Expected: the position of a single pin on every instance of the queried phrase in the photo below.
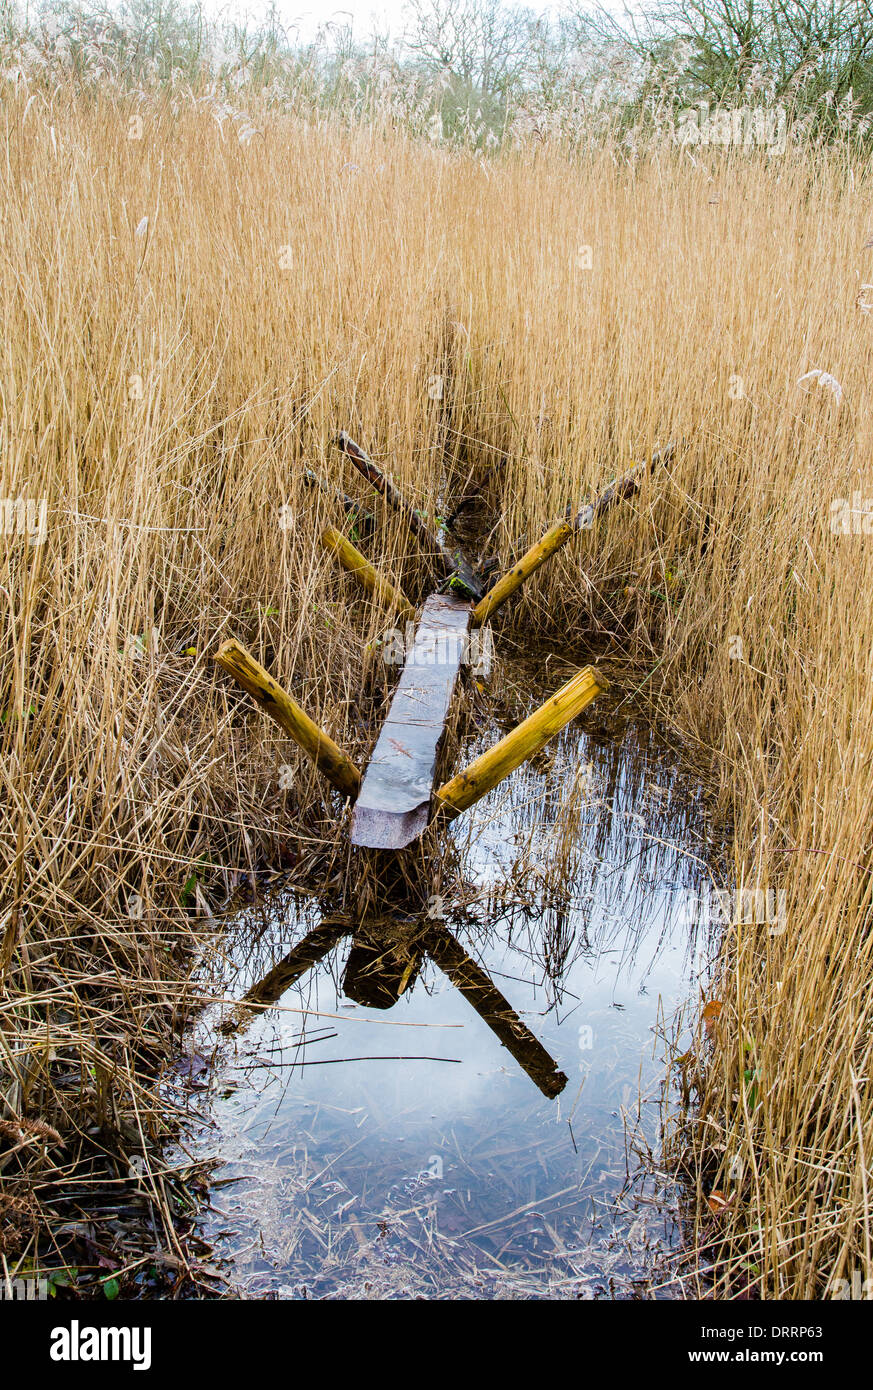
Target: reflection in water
(407, 1153)
(380, 967)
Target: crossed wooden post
(377, 973)
(395, 798)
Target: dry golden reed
(189, 319)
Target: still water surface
(361, 1159)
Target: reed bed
(193, 304)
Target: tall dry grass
(163, 384)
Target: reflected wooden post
(531, 735)
(381, 966)
(484, 996)
(328, 757)
(305, 955)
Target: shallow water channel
(408, 1153)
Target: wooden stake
(357, 564)
(530, 736)
(623, 487)
(514, 578)
(363, 522)
(462, 580)
(564, 531)
(328, 757)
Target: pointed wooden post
(367, 576)
(527, 565)
(462, 580)
(328, 757)
(531, 735)
(564, 531)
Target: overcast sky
(307, 16)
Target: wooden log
(394, 803)
(363, 521)
(366, 574)
(623, 487)
(560, 534)
(484, 996)
(461, 578)
(328, 757)
(531, 735)
(527, 565)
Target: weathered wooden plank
(393, 806)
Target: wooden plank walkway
(394, 803)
